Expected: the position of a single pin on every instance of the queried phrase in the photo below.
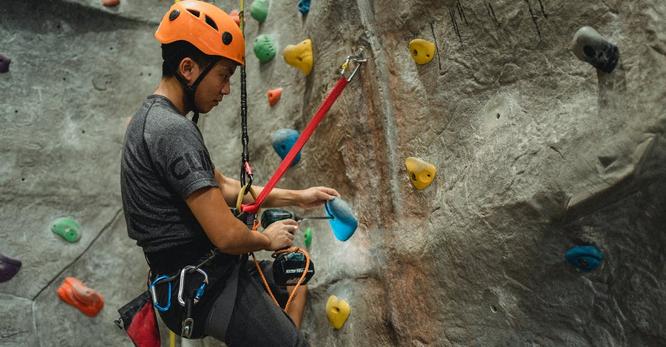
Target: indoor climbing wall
(505, 160)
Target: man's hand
(281, 234)
(315, 196)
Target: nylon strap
(305, 136)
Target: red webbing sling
(305, 136)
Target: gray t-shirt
(164, 161)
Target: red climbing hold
(274, 96)
(110, 3)
(75, 293)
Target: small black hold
(149, 74)
(174, 14)
(227, 38)
(15, 111)
(498, 116)
(83, 131)
(110, 48)
(64, 78)
(493, 308)
(4, 63)
(22, 179)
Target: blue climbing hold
(584, 258)
(343, 222)
(8, 268)
(304, 6)
(283, 140)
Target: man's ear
(189, 69)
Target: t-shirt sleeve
(181, 157)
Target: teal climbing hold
(67, 228)
(584, 258)
(307, 237)
(9, 267)
(304, 6)
(283, 140)
(344, 222)
(264, 48)
(259, 10)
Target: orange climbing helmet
(205, 26)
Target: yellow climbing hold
(337, 311)
(421, 173)
(422, 51)
(300, 56)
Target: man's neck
(171, 89)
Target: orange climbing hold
(235, 15)
(75, 293)
(274, 96)
(110, 3)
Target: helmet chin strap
(190, 90)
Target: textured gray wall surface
(536, 152)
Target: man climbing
(176, 203)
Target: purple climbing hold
(4, 63)
(8, 268)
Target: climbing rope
(246, 176)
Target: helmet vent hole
(174, 14)
(194, 12)
(227, 38)
(211, 22)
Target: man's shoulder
(162, 119)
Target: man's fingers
(330, 191)
(289, 222)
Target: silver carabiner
(358, 59)
(182, 282)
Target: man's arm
(225, 231)
(277, 198)
(306, 198)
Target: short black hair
(173, 53)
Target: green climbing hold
(308, 237)
(264, 48)
(67, 228)
(259, 10)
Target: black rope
(245, 138)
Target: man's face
(215, 85)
